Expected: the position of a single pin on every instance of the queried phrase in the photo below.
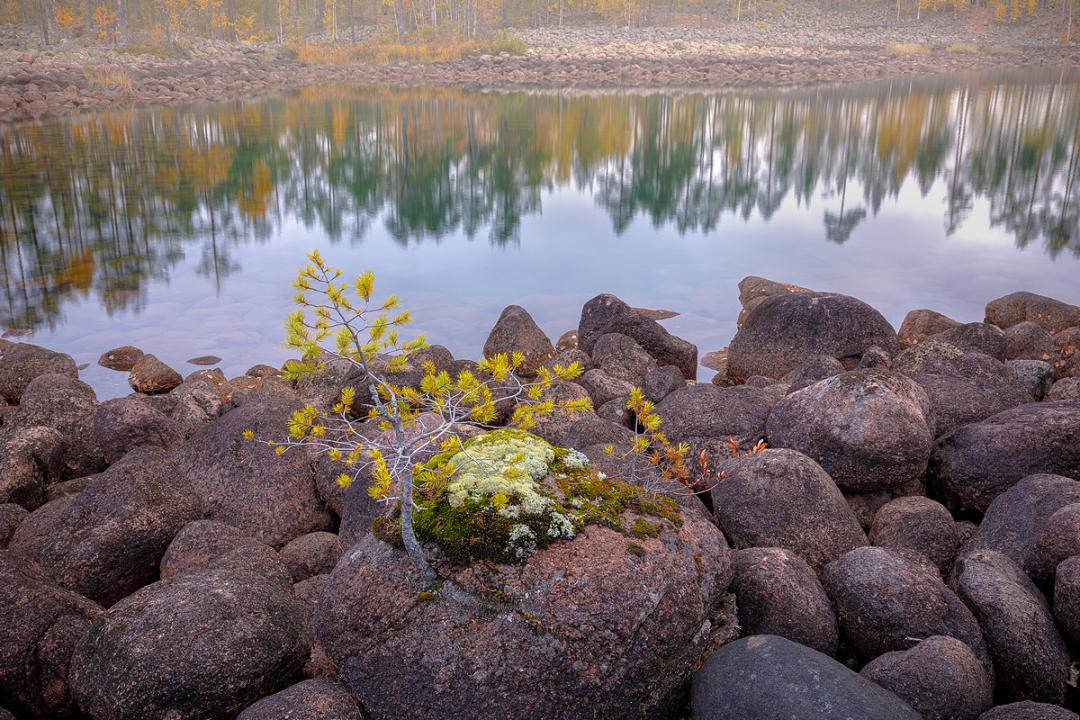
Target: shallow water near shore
(179, 229)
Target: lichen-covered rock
(917, 524)
(31, 460)
(785, 331)
(781, 498)
(1031, 661)
(777, 593)
(866, 428)
(976, 337)
(11, 517)
(918, 325)
(1028, 341)
(20, 363)
(108, 540)
(886, 602)
(150, 376)
(127, 423)
(1067, 597)
(39, 627)
(1028, 710)
(272, 498)
(940, 678)
(1035, 377)
(199, 645)
(574, 561)
(660, 382)
(963, 387)
(66, 405)
(1018, 307)
(516, 331)
(706, 410)
(121, 358)
(621, 357)
(315, 699)
(312, 554)
(766, 676)
(811, 371)
(978, 462)
(608, 314)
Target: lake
(179, 229)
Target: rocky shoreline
(888, 527)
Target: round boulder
(516, 331)
(206, 543)
(1067, 597)
(608, 314)
(813, 370)
(1066, 389)
(918, 325)
(976, 337)
(866, 428)
(1035, 377)
(660, 382)
(127, 423)
(31, 461)
(707, 410)
(20, 363)
(1028, 710)
(315, 699)
(150, 376)
(121, 358)
(1058, 541)
(1028, 341)
(312, 554)
(11, 516)
(1018, 307)
(603, 388)
(917, 524)
(621, 357)
(66, 405)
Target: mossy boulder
(571, 590)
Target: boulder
(195, 402)
(516, 331)
(781, 498)
(963, 387)
(1028, 341)
(1067, 597)
(127, 423)
(315, 699)
(603, 388)
(620, 357)
(151, 376)
(874, 359)
(1028, 710)
(1018, 307)
(1058, 541)
(886, 602)
(1035, 377)
(608, 314)
(567, 341)
(918, 325)
(660, 382)
(20, 363)
(785, 331)
(205, 543)
(67, 406)
(615, 411)
(940, 678)
(312, 554)
(777, 593)
(199, 645)
(755, 287)
(976, 337)
(866, 428)
(770, 677)
(39, 627)
(554, 426)
(917, 524)
(107, 541)
(272, 498)
(1065, 389)
(811, 371)
(706, 410)
(1031, 661)
(978, 462)
(556, 640)
(11, 517)
(121, 358)
(31, 460)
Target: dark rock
(127, 423)
(1028, 711)
(31, 460)
(316, 699)
(151, 376)
(199, 645)
(615, 411)
(1067, 597)
(194, 402)
(122, 358)
(705, 410)
(755, 287)
(11, 516)
(660, 382)
(590, 429)
(209, 543)
(1066, 389)
(978, 462)
(1028, 341)
(866, 428)
(976, 337)
(785, 331)
(68, 487)
(777, 593)
(1035, 377)
(567, 341)
(781, 498)
(205, 360)
(1058, 541)
(608, 314)
(516, 331)
(621, 357)
(39, 628)
(1045, 312)
(312, 554)
(811, 371)
(554, 426)
(309, 590)
(67, 406)
(715, 360)
(918, 325)
(272, 498)
(107, 541)
(886, 602)
(262, 371)
(917, 524)
(549, 649)
(963, 387)
(1031, 661)
(566, 358)
(874, 359)
(940, 678)
(766, 676)
(602, 387)
(20, 363)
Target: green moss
(642, 528)
(635, 549)
(388, 529)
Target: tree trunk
(352, 24)
(46, 9)
(399, 21)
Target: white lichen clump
(511, 464)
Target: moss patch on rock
(509, 493)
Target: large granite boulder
(918, 325)
(516, 331)
(917, 524)
(20, 363)
(608, 314)
(1028, 710)
(1018, 307)
(976, 337)
(707, 410)
(315, 699)
(127, 423)
(66, 405)
(31, 460)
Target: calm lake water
(179, 229)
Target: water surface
(179, 229)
